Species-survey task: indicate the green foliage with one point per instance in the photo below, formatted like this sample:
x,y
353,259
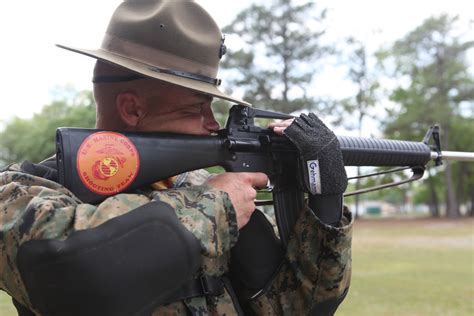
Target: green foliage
x,y
277,61
351,112
34,139
365,79
462,133
394,195
421,193
431,63
434,86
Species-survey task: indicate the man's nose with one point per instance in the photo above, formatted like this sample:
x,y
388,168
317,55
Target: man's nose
x,y
210,122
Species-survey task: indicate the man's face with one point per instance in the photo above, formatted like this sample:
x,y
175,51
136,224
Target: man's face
x,y
179,110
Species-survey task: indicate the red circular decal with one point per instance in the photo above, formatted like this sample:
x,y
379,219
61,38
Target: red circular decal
x,y
107,162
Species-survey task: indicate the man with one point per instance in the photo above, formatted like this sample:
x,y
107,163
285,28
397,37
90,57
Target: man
x,y
163,250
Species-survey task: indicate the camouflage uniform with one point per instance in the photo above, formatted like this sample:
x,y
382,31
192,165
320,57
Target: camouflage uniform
x,y
317,268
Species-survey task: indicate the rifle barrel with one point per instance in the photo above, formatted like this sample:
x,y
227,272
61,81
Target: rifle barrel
x,y
454,155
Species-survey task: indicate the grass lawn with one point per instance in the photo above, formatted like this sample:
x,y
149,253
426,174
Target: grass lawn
x,y
412,267
403,267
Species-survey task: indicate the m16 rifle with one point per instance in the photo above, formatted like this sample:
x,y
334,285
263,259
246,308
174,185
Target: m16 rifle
x,y
95,164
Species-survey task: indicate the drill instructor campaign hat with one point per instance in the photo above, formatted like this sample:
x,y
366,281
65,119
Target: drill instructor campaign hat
x,y
175,41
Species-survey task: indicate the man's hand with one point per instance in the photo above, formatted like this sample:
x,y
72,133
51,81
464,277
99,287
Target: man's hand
x,y
279,127
322,166
241,189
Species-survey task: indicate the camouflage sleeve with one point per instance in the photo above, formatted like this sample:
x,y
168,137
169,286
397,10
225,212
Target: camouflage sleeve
x,y
317,268
35,208
207,213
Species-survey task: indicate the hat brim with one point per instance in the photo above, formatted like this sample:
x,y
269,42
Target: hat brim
x,y
144,69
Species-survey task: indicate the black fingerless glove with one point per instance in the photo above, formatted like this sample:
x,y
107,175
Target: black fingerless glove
x,y
322,171
320,155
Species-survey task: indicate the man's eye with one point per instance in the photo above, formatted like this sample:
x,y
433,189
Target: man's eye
x,y
197,108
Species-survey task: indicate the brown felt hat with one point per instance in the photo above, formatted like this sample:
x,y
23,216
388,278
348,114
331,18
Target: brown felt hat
x,y
173,41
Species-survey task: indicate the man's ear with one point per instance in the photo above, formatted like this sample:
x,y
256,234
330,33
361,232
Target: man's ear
x,y
131,108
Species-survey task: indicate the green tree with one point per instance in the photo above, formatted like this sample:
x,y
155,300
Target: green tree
x,y
281,43
463,140
34,139
359,106
434,85
367,85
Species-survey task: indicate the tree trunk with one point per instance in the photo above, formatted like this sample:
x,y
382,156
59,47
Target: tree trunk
x,y
460,190
471,194
471,212
357,185
405,200
434,201
452,206
356,200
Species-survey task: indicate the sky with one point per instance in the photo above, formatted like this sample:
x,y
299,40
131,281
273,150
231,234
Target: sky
x,y
32,67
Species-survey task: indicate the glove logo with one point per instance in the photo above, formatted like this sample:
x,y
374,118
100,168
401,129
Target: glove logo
x,y
314,176
107,162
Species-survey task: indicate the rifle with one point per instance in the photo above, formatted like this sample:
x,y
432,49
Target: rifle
x,y
95,164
